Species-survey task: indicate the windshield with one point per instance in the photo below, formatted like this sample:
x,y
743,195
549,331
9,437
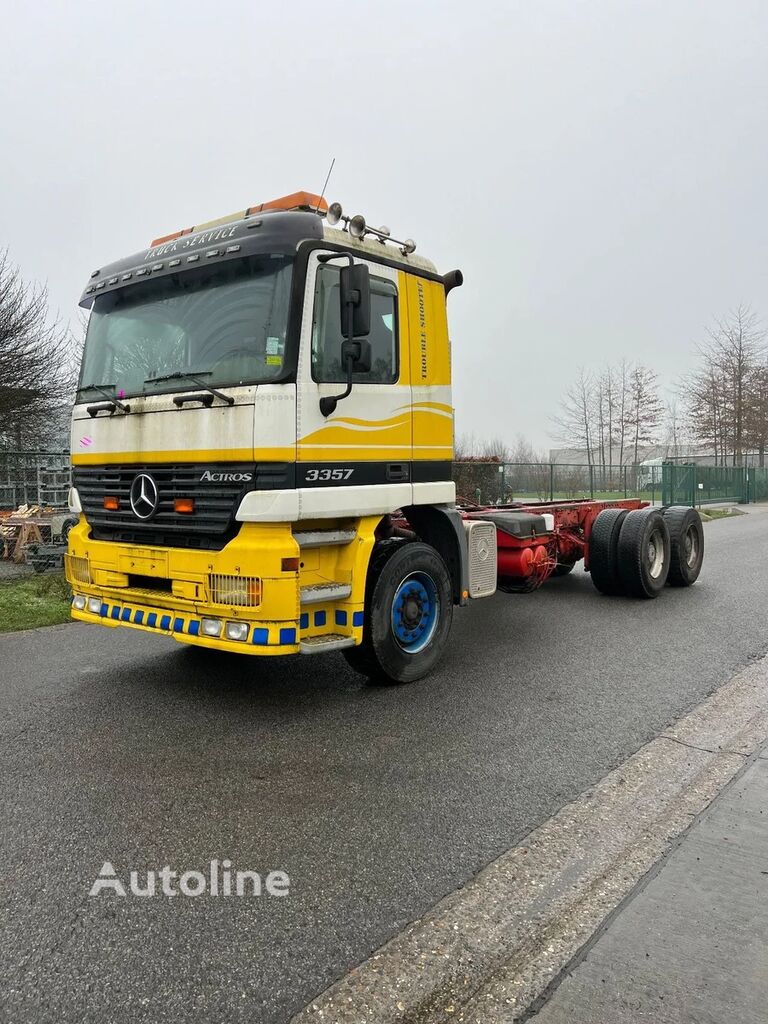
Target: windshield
x,y
227,323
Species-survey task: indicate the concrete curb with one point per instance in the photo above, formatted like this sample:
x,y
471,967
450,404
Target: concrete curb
x,y
517,924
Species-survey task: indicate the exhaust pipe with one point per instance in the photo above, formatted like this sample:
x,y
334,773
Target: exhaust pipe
x,y
453,279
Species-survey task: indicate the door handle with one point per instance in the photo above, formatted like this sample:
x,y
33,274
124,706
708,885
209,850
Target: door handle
x,y
398,472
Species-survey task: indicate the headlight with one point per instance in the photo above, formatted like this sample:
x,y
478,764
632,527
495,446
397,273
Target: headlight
x,y
211,627
94,605
78,601
236,630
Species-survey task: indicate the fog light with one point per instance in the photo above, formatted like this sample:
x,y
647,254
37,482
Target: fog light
x,y
78,601
211,627
239,590
236,630
94,605
111,503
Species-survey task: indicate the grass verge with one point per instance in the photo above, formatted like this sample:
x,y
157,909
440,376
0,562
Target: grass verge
x,y
719,513
32,601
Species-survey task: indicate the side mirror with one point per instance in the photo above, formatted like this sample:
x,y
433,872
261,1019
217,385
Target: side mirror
x,y
355,300
359,351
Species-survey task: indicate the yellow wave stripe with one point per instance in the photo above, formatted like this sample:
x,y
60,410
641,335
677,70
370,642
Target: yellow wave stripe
x,y
433,428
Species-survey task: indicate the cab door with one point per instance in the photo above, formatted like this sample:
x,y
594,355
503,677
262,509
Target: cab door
x,y
356,461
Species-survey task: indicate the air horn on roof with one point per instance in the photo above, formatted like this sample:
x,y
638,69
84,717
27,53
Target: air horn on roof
x,y
358,228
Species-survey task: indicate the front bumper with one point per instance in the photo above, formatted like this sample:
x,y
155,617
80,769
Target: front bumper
x,y
169,590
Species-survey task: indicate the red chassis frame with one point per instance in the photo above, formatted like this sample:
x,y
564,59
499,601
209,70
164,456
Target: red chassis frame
x,y
526,562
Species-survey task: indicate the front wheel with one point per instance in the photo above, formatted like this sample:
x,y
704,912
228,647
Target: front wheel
x,y
408,613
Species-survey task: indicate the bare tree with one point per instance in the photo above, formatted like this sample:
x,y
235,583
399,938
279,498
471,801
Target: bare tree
x,y
36,362
622,379
523,451
674,428
576,422
725,393
757,416
642,418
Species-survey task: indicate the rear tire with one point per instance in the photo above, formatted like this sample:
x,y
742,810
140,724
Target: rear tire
x,y
686,538
603,551
408,613
644,553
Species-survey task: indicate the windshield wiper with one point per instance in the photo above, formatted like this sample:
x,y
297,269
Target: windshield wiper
x,y
195,378
113,401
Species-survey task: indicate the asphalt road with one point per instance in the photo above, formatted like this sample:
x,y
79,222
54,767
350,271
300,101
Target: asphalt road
x,y
124,747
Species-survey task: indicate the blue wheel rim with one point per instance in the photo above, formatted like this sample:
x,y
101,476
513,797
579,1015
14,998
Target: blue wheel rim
x,y
415,612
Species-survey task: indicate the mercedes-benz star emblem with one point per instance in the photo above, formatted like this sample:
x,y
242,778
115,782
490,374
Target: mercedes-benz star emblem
x,y
144,496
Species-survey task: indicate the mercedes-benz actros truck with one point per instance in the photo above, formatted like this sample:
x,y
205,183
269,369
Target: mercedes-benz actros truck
x,y
262,444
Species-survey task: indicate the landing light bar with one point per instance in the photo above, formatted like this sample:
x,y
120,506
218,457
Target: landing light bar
x,y
295,201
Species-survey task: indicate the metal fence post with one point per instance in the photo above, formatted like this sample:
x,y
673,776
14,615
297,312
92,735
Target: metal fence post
x,y
551,481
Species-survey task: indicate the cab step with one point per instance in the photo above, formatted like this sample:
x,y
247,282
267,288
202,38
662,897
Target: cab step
x,y
327,642
323,538
325,592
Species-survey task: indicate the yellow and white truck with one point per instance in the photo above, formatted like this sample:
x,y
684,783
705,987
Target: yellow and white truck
x,y
262,443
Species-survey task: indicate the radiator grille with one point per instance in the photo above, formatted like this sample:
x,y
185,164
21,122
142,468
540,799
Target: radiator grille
x,y
211,525
481,544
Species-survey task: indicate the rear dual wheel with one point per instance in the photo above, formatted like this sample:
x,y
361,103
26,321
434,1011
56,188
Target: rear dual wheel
x,y
604,550
644,553
629,552
687,545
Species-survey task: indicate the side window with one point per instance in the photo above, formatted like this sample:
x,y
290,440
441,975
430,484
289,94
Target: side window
x,y
327,336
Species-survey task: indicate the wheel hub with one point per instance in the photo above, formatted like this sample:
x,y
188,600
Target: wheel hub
x,y
415,612
655,554
691,546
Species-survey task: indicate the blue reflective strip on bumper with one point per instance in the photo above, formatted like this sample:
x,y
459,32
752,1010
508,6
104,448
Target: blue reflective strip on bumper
x,y
341,618
104,610
357,618
193,628
116,612
126,616
178,625
288,636
165,622
260,636
304,621
319,618
138,618
152,619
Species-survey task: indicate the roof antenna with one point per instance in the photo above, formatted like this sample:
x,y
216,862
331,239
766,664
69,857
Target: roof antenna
x,y
325,186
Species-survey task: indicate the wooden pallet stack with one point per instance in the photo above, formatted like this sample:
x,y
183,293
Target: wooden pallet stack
x,y
29,525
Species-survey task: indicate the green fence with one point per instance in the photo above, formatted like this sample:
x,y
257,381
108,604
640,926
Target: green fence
x,y
673,483
493,483
689,484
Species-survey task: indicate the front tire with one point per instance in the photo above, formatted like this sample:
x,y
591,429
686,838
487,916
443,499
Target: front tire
x,y
408,614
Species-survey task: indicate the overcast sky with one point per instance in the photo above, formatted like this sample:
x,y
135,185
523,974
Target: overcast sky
x,y
598,170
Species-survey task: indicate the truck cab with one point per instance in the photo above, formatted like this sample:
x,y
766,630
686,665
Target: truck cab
x,y
263,419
